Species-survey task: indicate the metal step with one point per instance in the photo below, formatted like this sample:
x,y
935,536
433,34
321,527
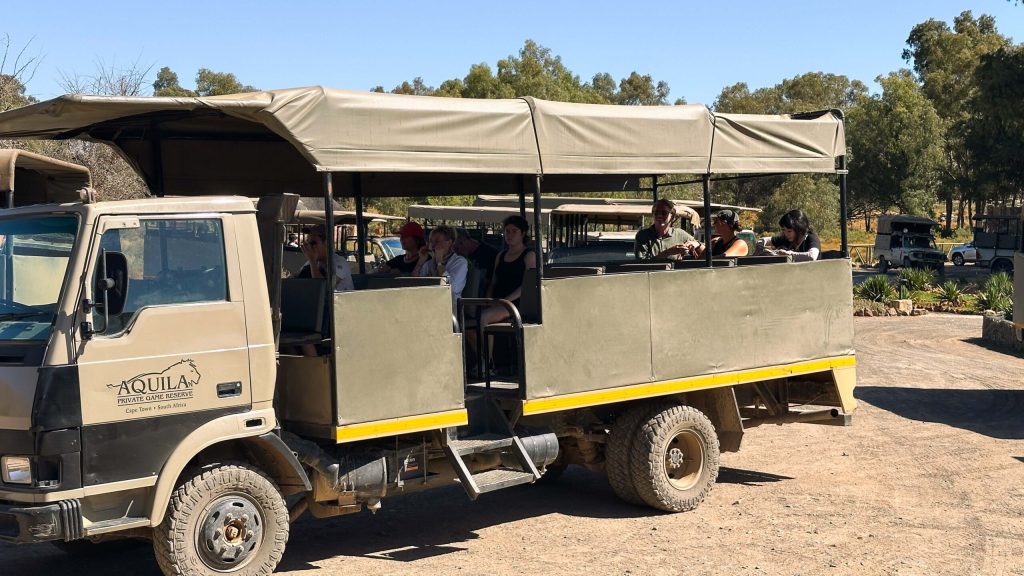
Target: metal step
x,y
492,480
479,444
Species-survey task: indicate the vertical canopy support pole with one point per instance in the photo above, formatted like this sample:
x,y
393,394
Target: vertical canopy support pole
x,y
329,230
157,186
539,250
843,216
654,188
706,225
521,181
357,189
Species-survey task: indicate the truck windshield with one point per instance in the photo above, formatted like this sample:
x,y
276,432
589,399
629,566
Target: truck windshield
x,y
34,254
922,242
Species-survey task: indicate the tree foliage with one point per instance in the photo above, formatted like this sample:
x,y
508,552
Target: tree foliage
x,y
536,71
896,138
945,60
208,83
995,129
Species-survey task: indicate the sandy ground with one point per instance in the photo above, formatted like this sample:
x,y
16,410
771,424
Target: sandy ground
x,y
928,480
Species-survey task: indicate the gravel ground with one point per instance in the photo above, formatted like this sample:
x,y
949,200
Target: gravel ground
x,y
928,480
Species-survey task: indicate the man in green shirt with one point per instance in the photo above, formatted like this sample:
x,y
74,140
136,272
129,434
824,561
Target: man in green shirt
x,y
661,240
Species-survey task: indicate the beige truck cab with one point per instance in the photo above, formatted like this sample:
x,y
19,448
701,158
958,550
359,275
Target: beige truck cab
x,y
162,378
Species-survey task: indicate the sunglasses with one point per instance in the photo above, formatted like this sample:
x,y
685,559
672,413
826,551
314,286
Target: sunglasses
x,y
662,212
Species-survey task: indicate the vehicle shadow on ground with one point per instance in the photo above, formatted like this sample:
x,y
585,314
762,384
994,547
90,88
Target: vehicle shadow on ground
x,y
406,529
994,413
994,347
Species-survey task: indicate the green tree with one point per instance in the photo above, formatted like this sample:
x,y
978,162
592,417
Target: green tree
x,y
803,93
944,60
818,197
995,130
166,84
210,83
640,89
896,139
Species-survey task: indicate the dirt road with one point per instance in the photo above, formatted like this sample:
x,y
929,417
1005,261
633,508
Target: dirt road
x,y
928,480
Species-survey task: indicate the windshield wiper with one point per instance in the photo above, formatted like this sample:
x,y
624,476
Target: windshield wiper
x,y
21,315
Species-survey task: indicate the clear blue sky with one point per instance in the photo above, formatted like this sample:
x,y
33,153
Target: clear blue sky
x,y
697,47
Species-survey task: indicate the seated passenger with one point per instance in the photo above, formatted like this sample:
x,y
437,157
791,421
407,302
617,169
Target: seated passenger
x,y
479,254
412,238
509,268
725,242
661,240
798,238
293,240
441,260
314,248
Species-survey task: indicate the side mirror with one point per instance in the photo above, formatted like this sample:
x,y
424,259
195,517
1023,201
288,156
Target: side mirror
x,y
112,282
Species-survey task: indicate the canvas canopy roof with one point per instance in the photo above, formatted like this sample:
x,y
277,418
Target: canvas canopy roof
x,y
40,179
399,145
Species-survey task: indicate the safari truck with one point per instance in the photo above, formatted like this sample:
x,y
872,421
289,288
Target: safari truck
x,y
166,382
907,241
996,239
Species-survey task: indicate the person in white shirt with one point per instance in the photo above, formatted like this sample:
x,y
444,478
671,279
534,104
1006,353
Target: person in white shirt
x,y
314,248
438,259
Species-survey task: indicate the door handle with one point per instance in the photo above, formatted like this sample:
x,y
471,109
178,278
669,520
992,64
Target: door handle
x,y
229,389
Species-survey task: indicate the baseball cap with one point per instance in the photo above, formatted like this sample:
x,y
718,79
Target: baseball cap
x,y
726,216
411,229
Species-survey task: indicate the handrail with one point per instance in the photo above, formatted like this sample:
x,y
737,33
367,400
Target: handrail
x,y
481,340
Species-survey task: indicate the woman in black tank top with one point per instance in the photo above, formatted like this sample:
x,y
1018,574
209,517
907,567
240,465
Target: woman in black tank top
x,y
509,268
725,243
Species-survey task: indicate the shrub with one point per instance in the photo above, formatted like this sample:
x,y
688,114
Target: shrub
x,y
1001,283
876,288
917,279
951,293
992,298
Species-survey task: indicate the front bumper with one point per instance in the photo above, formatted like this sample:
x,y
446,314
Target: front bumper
x,y
23,524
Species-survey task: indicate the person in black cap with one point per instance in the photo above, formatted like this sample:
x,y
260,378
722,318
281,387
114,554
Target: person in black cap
x,y
725,243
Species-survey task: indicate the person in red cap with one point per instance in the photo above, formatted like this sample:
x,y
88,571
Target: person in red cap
x,y
413,239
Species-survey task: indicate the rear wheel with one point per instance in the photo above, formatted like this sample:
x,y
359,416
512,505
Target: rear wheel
x,y
225,519
1002,265
618,451
958,259
675,459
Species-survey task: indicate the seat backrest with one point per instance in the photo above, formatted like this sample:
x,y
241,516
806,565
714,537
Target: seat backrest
x,y
637,267
715,262
565,271
529,307
302,305
375,282
753,260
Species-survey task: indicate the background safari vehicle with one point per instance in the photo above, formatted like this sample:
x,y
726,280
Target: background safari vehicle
x,y
907,241
166,398
996,239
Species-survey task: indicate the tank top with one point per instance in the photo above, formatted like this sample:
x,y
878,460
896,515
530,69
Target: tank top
x,y
719,247
508,276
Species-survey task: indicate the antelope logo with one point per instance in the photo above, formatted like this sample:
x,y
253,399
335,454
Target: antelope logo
x,y
176,382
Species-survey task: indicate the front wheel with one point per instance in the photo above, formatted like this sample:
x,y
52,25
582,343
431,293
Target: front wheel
x,y
675,459
226,519
958,259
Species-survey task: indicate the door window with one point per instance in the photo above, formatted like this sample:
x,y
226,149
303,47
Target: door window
x,y
170,261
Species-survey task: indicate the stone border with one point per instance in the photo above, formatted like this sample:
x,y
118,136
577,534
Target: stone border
x,y
1001,332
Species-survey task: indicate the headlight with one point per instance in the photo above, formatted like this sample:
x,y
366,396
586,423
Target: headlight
x,y
16,469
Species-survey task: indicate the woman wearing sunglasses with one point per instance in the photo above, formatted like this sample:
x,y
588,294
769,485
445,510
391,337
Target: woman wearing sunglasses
x,y
314,248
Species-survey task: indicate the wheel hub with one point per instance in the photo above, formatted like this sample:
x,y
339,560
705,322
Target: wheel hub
x,y
684,460
230,532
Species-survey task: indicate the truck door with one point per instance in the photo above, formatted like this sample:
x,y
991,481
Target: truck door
x,y
175,357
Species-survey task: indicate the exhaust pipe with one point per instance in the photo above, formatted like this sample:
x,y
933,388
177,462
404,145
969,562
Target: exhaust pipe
x,y
830,417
